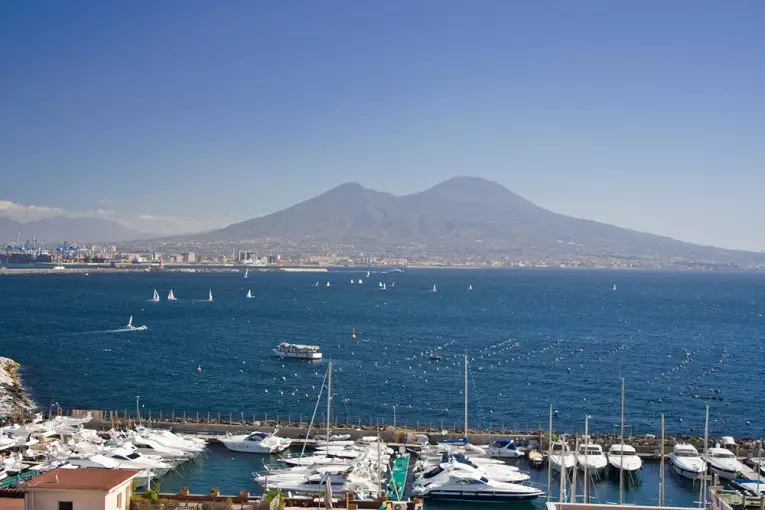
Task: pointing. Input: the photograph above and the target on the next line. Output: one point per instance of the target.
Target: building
(189, 257)
(80, 489)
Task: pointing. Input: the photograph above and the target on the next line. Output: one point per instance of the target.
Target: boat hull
(690, 474)
(484, 497)
(311, 355)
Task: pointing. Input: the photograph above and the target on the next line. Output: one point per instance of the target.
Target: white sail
(380, 284)
(434, 288)
(249, 294)
(368, 274)
(247, 273)
(155, 297)
(470, 287)
(614, 287)
(171, 296)
(130, 322)
(384, 287)
(317, 284)
(352, 282)
(209, 297)
(328, 284)
(393, 284)
(361, 281)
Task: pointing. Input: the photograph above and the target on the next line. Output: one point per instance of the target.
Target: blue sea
(533, 337)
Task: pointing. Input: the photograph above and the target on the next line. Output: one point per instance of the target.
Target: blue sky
(182, 115)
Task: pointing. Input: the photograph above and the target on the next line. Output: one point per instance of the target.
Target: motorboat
(536, 459)
(462, 485)
(561, 457)
(755, 487)
(499, 472)
(130, 326)
(256, 442)
(315, 459)
(506, 448)
(624, 457)
(686, 462)
(288, 350)
(591, 457)
(723, 463)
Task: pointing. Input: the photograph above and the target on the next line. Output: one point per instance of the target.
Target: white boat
(591, 456)
(328, 284)
(723, 463)
(59, 267)
(561, 456)
(246, 273)
(434, 288)
(686, 462)
(256, 442)
(135, 328)
(470, 287)
(369, 274)
(499, 472)
(171, 296)
(361, 281)
(249, 294)
(155, 297)
(624, 457)
(380, 284)
(756, 487)
(462, 485)
(384, 287)
(505, 448)
(352, 282)
(393, 284)
(209, 296)
(614, 287)
(317, 284)
(288, 350)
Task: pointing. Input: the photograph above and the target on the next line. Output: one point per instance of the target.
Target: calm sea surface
(533, 337)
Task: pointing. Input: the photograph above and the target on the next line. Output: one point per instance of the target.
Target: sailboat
(155, 297)
(369, 274)
(209, 296)
(249, 294)
(384, 287)
(380, 284)
(317, 284)
(352, 282)
(614, 287)
(247, 273)
(328, 285)
(434, 288)
(171, 296)
(470, 287)
(393, 284)
(361, 281)
(134, 328)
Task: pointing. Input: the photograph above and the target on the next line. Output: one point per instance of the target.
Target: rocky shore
(15, 404)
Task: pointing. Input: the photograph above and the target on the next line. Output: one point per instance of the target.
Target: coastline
(15, 403)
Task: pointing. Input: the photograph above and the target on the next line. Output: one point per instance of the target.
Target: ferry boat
(287, 350)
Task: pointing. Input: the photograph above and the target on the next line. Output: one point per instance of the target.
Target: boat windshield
(433, 472)
(686, 453)
(723, 455)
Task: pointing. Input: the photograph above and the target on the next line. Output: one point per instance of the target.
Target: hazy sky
(182, 115)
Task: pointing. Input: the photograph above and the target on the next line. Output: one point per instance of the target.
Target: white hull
(310, 355)
(569, 461)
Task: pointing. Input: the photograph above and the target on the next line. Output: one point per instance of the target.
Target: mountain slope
(463, 215)
(59, 229)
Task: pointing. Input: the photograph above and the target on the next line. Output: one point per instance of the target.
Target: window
(65, 505)
(119, 500)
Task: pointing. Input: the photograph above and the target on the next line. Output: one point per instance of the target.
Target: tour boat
(506, 448)
(171, 296)
(155, 297)
(625, 458)
(723, 463)
(257, 442)
(463, 485)
(287, 350)
(561, 456)
(591, 456)
(135, 328)
(686, 462)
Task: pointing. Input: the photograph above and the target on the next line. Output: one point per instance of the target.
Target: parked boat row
(64, 443)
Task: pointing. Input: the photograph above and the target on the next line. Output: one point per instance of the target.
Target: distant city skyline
(180, 117)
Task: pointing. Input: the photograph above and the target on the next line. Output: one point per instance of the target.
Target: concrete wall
(48, 499)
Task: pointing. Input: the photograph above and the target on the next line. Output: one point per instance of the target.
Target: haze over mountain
(467, 215)
(59, 229)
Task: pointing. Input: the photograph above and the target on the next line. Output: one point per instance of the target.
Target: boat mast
(661, 468)
(621, 454)
(466, 399)
(563, 474)
(586, 459)
(549, 457)
(706, 459)
(329, 399)
(573, 473)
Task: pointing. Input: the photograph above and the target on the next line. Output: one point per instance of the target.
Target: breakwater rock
(15, 404)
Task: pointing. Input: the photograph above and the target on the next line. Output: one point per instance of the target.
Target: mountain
(468, 216)
(59, 229)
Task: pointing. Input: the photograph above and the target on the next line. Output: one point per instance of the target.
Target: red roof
(81, 479)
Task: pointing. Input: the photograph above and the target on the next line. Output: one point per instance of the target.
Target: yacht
(624, 457)
(130, 326)
(591, 455)
(723, 463)
(461, 485)
(499, 472)
(685, 461)
(506, 448)
(287, 350)
(155, 296)
(171, 296)
(561, 456)
(256, 442)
